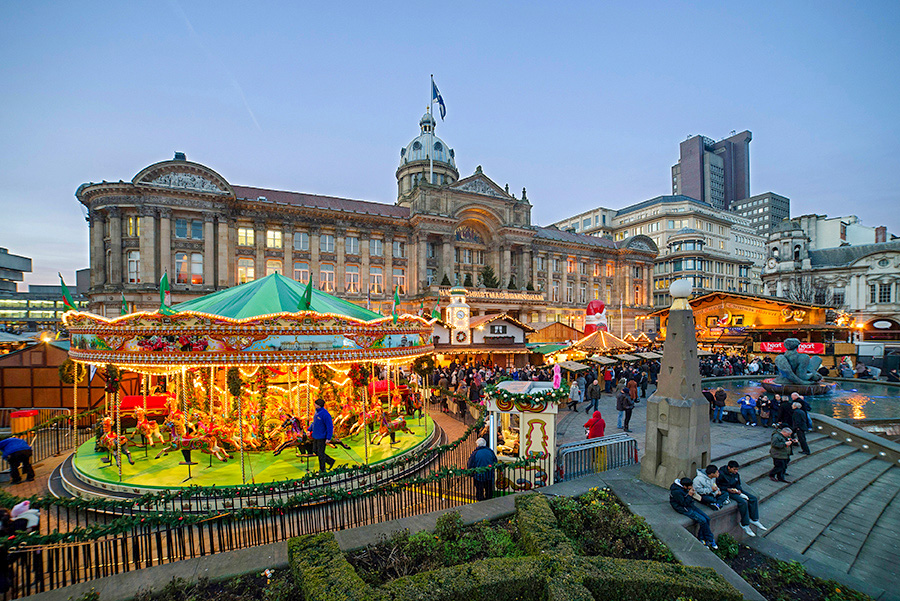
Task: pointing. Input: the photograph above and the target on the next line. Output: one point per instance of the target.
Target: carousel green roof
(271, 294)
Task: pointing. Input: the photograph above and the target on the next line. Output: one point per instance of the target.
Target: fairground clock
(458, 316)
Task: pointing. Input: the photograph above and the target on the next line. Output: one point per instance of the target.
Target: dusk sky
(583, 104)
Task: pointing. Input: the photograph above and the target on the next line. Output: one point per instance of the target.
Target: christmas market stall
(233, 377)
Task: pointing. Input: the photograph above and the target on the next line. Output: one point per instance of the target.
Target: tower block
(677, 413)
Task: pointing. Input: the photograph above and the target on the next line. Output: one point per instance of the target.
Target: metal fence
(52, 439)
(583, 457)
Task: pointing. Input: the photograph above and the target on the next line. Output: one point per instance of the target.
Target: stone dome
(427, 146)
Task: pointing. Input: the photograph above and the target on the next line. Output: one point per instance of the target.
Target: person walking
(482, 456)
(729, 480)
(624, 405)
(780, 450)
(719, 404)
(321, 431)
(645, 381)
(633, 389)
(681, 497)
(575, 397)
(596, 426)
(593, 396)
(608, 380)
(18, 453)
(798, 425)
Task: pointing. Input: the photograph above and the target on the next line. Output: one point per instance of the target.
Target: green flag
(422, 309)
(435, 313)
(67, 296)
(306, 300)
(165, 295)
(395, 306)
(124, 305)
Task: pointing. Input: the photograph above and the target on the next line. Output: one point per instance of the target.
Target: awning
(625, 357)
(602, 360)
(572, 366)
(546, 349)
(649, 355)
(480, 349)
(704, 354)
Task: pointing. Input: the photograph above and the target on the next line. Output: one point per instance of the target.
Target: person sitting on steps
(681, 497)
(729, 480)
(710, 493)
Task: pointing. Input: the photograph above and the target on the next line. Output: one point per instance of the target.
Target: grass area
(261, 466)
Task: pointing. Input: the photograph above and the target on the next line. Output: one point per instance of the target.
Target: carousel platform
(84, 473)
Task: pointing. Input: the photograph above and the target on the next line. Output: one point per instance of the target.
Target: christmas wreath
(234, 382)
(359, 375)
(423, 366)
(460, 336)
(112, 378)
(70, 371)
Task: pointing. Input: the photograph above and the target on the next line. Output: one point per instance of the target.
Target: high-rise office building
(764, 211)
(717, 173)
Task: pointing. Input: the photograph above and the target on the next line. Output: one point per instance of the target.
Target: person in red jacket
(596, 426)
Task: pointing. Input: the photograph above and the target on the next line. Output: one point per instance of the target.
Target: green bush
(728, 547)
(321, 571)
(449, 526)
(538, 531)
(631, 580)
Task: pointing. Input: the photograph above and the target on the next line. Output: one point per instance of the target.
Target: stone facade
(184, 218)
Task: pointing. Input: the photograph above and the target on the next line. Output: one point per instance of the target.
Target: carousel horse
(396, 402)
(172, 410)
(346, 414)
(147, 427)
(110, 440)
(223, 434)
(251, 440)
(180, 441)
(296, 437)
(389, 428)
(367, 418)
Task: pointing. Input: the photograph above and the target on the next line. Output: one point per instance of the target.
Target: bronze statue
(796, 368)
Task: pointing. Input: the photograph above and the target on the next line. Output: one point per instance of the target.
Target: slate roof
(552, 233)
(846, 255)
(331, 203)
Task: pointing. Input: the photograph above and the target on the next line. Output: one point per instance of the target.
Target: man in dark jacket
(17, 452)
(799, 424)
(321, 431)
(780, 450)
(681, 498)
(482, 456)
(625, 405)
(729, 481)
(593, 396)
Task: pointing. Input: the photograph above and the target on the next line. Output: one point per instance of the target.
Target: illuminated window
(245, 237)
(610, 270)
(301, 271)
(196, 268)
(133, 227)
(570, 266)
(182, 268)
(376, 280)
(326, 277)
(245, 270)
(134, 267)
(351, 279)
(273, 239)
(273, 266)
(638, 296)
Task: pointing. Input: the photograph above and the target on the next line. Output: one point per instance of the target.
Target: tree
(445, 281)
(468, 280)
(529, 286)
(489, 277)
(802, 289)
(512, 284)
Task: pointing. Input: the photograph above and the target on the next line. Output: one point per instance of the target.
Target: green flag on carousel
(124, 305)
(67, 296)
(165, 295)
(395, 306)
(306, 299)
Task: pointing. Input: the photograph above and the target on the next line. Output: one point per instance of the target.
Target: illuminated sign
(807, 348)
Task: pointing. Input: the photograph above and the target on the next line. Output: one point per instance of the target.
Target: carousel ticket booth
(522, 424)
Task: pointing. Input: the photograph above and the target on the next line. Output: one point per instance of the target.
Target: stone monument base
(677, 439)
(816, 389)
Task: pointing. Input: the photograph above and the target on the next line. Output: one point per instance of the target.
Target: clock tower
(458, 316)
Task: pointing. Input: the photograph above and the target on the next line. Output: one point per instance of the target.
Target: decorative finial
(506, 188)
(524, 197)
(478, 169)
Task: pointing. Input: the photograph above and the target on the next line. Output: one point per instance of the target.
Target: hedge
(538, 530)
(627, 579)
(323, 573)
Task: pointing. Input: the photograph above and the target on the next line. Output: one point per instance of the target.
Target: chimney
(880, 234)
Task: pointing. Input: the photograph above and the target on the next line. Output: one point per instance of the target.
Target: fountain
(797, 372)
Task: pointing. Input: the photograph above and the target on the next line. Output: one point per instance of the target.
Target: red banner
(808, 348)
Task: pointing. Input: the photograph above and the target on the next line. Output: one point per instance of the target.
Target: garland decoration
(112, 378)
(359, 375)
(527, 401)
(262, 386)
(424, 366)
(69, 371)
(235, 385)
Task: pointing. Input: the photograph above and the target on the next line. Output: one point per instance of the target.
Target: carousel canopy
(601, 342)
(270, 295)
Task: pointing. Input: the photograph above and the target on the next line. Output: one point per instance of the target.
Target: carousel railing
(122, 544)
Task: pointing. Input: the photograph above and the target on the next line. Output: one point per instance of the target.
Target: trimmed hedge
(538, 530)
(552, 571)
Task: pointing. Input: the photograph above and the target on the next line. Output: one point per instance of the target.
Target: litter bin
(19, 421)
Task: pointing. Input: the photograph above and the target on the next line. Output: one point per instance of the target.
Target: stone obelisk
(677, 413)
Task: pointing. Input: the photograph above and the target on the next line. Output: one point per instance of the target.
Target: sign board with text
(808, 348)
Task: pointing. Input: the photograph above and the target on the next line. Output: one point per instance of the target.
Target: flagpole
(433, 122)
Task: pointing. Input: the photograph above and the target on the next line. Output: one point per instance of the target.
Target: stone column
(447, 258)
(115, 246)
(209, 250)
(592, 280)
(287, 245)
(339, 249)
(147, 245)
(576, 294)
(165, 244)
(98, 252)
(563, 278)
(526, 267)
(534, 269)
(421, 251)
(259, 236)
(505, 265)
(389, 264)
(678, 439)
(224, 254)
(314, 256)
(364, 282)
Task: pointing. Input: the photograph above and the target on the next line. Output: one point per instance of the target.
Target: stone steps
(879, 557)
(760, 452)
(757, 475)
(804, 526)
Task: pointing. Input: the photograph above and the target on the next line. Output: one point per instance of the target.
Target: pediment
(183, 175)
(482, 185)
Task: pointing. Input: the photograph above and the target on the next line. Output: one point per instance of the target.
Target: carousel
(223, 388)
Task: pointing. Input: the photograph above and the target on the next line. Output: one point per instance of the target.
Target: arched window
(797, 253)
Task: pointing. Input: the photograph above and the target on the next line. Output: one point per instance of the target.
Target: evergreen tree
(445, 281)
(468, 281)
(529, 286)
(489, 277)
(512, 284)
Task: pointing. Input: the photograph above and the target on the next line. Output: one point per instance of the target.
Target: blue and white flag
(436, 96)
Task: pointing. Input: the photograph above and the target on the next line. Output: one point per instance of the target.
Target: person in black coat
(482, 456)
(681, 498)
(799, 424)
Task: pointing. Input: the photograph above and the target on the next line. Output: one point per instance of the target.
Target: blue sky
(584, 104)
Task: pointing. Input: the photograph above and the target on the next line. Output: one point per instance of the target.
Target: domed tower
(425, 154)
